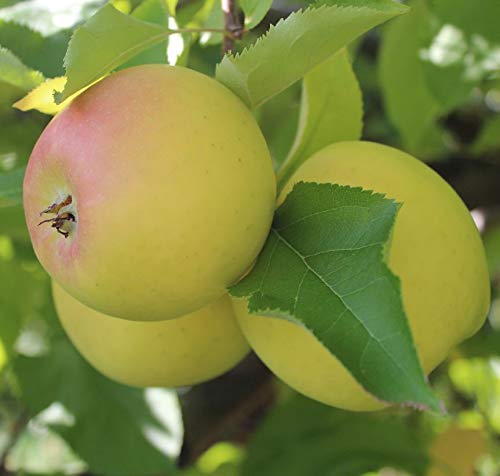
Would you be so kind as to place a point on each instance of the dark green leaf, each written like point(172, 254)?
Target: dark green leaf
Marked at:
point(145, 425)
point(338, 286)
point(302, 437)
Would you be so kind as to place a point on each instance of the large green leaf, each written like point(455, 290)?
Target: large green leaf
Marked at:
point(331, 110)
point(105, 41)
point(302, 437)
point(296, 45)
point(15, 73)
point(338, 286)
point(146, 430)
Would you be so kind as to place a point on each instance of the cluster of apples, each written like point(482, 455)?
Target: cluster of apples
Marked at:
point(154, 191)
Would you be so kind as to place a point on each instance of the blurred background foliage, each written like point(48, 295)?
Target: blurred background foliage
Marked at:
point(431, 86)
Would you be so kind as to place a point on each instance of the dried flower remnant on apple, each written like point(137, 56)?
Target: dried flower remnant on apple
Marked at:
point(61, 222)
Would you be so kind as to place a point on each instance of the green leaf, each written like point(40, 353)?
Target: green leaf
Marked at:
point(43, 53)
point(478, 380)
point(488, 141)
point(278, 120)
point(214, 19)
point(172, 5)
point(50, 17)
point(338, 286)
point(146, 425)
point(11, 188)
point(303, 437)
point(23, 295)
point(409, 102)
point(331, 110)
point(41, 451)
point(255, 11)
point(105, 41)
point(296, 45)
point(471, 17)
point(459, 51)
point(152, 11)
point(13, 224)
point(15, 73)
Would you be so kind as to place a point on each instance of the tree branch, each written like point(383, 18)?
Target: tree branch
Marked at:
point(232, 24)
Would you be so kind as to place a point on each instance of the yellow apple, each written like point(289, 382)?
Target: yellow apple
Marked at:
point(158, 192)
point(457, 451)
point(435, 250)
point(171, 353)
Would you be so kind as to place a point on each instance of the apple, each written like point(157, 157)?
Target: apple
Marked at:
point(171, 353)
point(435, 249)
point(150, 193)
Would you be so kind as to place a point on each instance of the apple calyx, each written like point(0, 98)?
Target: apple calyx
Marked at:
point(61, 220)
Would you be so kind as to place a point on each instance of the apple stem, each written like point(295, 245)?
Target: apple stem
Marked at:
point(232, 24)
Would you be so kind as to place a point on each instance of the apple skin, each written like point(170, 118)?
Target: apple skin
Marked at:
point(435, 249)
point(172, 353)
point(456, 451)
point(172, 188)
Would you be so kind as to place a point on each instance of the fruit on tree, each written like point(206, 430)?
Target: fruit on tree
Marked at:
point(457, 451)
point(435, 250)
point(171, 353)
point(155, 190)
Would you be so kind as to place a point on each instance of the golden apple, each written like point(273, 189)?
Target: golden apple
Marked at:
point(171, 353)
point(435, 250)
point(150, 193)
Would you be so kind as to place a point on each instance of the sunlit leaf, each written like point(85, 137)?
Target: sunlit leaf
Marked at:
point(42, 97)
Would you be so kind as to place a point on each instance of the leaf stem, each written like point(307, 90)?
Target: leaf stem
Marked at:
point(223, 31)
